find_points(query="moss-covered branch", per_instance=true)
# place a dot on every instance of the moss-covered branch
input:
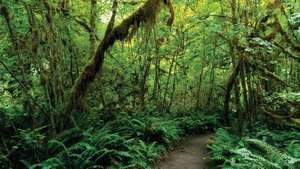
(146, 16)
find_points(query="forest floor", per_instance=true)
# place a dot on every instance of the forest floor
(191, 153)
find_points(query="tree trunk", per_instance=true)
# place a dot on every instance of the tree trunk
(146, 15)
(162, 107)
(173, 86)
(212, 81)
(144, 82)
(199, 87)
(93, 27)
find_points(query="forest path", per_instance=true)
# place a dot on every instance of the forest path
(190, 154)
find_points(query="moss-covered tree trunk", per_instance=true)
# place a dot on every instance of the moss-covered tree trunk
(145, 15)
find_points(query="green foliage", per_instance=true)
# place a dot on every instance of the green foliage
(287, 99)
(125, 142)
(4, 162)
(246, 50)
(28, 142)
(229, 151)
(198, 123)
(149, 129)
(144, 154)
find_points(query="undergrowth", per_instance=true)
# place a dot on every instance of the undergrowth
(265, 149)
(126, 142)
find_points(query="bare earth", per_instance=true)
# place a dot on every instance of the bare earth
(190, 154)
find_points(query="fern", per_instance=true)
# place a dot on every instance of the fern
(270, 152)
(294, 149)
(51, 163)
(4, 162)
(54, 145)
(123, 143)
(198, 123)
(249, 153)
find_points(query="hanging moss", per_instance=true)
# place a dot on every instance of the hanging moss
(144, 16)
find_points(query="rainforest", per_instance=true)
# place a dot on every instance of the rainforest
(149, 84)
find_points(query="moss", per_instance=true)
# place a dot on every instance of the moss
(144, 16)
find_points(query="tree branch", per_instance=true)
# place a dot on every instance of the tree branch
(145, 15)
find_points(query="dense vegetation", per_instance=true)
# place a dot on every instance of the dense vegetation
(117, 83)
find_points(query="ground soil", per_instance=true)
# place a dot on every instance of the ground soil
(191, 153)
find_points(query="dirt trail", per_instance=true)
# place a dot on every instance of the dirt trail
(190, 154)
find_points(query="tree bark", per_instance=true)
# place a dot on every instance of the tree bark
(199, 87)
(93, 27)
(146, 15)
(229, 86)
